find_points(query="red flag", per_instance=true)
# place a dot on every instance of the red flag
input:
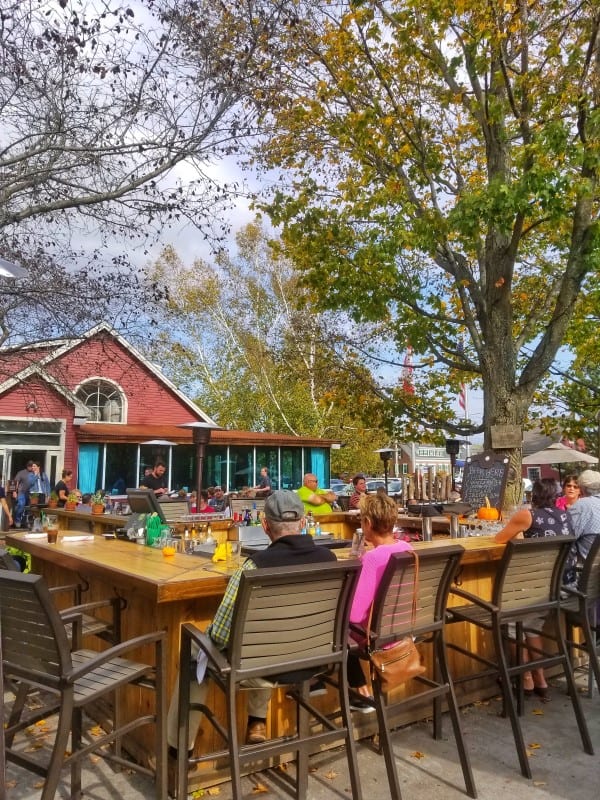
(407, 371)
(462, 397)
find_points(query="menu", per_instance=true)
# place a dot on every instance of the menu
(485, 475)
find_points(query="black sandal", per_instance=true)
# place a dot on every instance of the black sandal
(543, 693)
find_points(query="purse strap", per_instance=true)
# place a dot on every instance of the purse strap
(413, 614)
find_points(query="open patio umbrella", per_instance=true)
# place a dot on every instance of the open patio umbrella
(558, 453)
(162, 442)
(10, 270)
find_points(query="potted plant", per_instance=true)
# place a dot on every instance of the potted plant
(72, 500)
(34, 498)
(53, 500)
(97, 503)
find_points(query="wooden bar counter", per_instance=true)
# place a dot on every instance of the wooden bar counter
(161, 593)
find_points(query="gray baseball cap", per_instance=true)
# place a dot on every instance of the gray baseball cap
(284, 506)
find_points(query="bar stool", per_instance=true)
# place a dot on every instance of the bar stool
(393, 619)
(527, 585)
(580, 610)
(288, 625)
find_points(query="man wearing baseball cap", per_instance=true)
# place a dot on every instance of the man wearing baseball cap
(282, 522)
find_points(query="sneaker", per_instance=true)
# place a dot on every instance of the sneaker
(256, 733)
(362, 706)
(317, 689)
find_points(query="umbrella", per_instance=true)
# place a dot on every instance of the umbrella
(9, 270)
(163, 442)
(559, 454)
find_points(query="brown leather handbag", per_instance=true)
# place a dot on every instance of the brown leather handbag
(401, 661)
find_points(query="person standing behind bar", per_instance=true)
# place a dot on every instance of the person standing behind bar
(157, 480)
(264, 484)
(63, 488)
(316, 500)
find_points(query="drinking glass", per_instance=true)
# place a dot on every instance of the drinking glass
(233, 554)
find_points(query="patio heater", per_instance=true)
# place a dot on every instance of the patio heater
(385, 455)
(201, 432)
(452, 448)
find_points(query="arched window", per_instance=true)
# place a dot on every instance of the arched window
(103, 400)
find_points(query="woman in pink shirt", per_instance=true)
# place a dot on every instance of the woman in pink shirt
(378, 515)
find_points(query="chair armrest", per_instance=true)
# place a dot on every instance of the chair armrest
(117, 650)
(205, 643)
(473, 599)
(572, 591)
(83, 608)
(74, 588)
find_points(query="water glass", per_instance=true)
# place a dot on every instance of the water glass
(233, 554)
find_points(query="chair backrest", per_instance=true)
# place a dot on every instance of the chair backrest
(34, 639)
(291, 619)
(393, 606)
(7, 561)
(530, 572)
(174, 509)
(343, 501)
(589, 580)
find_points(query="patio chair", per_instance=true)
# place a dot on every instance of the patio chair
(526, 585)
(580, 610)
(106, 628)
(36, 655)
(393, 618)
(289, 624)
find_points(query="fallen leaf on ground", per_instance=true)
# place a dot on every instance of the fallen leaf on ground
(534, 746)
(213, 791)
(331, 775)
(537, 712)
(39, 785)
(259, 788)
(96, 731)
(539, 783)
(418, 754)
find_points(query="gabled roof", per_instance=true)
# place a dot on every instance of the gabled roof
(59, 347)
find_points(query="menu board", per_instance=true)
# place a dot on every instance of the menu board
(484, 476)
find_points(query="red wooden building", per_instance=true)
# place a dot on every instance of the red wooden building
(92, 403)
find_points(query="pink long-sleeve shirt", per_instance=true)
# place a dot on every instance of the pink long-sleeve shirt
(374, 563)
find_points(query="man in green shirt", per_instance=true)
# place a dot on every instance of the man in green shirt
(316, 500)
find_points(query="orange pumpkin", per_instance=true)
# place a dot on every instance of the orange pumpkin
(488, 512)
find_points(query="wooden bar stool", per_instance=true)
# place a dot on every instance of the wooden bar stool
(526, 586)
(581, 611)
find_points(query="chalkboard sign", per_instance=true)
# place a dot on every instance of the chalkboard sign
(484, 476)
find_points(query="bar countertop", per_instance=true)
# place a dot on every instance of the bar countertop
(161, 578)
(178, 577)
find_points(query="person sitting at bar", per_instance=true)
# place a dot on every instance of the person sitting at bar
(585, 513)
(543, 519)
(282, 521)
(360, 488)
(378, 515)
(219, 502)
(570, 493)
(316, 500)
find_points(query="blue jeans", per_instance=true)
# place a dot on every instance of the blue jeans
(20, 507)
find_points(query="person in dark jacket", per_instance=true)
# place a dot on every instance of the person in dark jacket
(282, 521)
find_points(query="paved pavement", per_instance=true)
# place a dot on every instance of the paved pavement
(428, 769)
